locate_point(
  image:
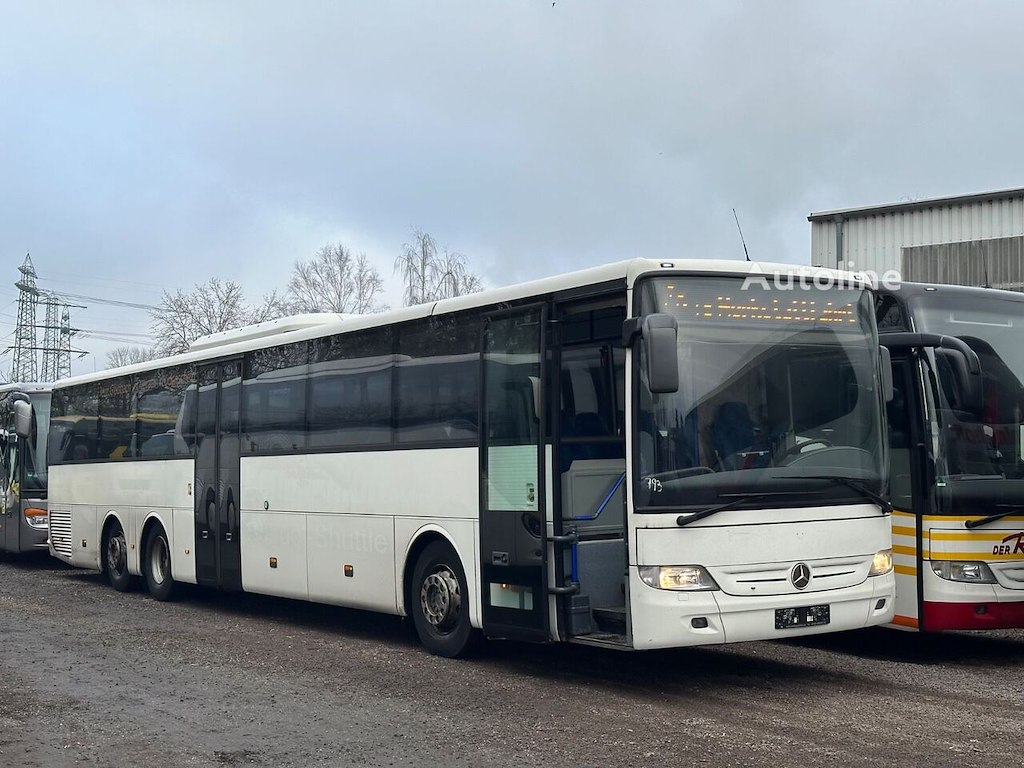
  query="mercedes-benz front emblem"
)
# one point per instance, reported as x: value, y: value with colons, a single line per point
x: 800, y: 575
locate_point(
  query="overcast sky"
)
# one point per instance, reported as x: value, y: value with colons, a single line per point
x: 149, y: 146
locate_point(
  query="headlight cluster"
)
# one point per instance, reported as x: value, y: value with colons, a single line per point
x: 881, y: 564
x: 966, y: 571
x: 36, y: 517
x: 691, y: 578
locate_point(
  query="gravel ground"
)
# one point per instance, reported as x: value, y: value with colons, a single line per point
x: 89, y: 676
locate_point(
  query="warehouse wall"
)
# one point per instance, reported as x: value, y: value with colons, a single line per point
x: 875, y: 242
x: 998, y: 263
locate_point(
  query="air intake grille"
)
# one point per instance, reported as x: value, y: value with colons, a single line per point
x: 60, y: 532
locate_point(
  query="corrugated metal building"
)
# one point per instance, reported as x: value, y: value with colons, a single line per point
x: 965, y: 240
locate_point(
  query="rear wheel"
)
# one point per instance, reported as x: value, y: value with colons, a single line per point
x: 440, y: 603
x: 156, y: 564
x: 115, y: 557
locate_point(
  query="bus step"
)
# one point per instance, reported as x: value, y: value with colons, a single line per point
x: 602, y: 640
x: 611, y: 618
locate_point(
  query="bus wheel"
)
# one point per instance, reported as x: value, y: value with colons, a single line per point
x: 156, y: 564
x: 440, y: 603
x: 115, y: 558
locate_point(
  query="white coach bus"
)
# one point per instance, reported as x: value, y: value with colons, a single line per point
x: 642, y: 455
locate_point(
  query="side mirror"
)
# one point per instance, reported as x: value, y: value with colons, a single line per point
x: 969, y: 394
x: 888, y: 389
x: 660, y: 341
x: 22, y: 419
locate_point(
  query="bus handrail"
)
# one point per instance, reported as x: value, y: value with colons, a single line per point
x: 606, y: 501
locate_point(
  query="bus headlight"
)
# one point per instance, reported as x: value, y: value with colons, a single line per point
x: 881, y: 564
x: 686, y: 577
x: 963, y: 570
x: 36, y: 517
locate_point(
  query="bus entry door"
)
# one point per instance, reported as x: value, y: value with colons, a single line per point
x: 218, y: 549
x: 513, y: 510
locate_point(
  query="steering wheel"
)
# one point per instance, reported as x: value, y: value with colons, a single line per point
x: 799, y: 447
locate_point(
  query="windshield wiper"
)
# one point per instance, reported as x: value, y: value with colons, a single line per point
x: 740, y: 499
x: 855, y: 485
x: 997, y: 516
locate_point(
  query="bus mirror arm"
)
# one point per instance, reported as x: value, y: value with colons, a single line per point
x: 964, y: 361
x: 630, y: 330
x: 937, y: 340
x: 888, y: 388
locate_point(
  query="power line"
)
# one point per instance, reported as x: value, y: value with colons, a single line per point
x: 95, y: 332
x: 93, y: 279
x: 113, y: 302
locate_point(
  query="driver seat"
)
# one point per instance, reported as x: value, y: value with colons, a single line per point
x: 733, y: 431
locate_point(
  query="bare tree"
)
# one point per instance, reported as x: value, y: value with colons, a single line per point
x: 367, y: 287
x: 415, y: 264
x: 271, y: 307
x: 335, y: 281
x: 430, y: 274
x: 121, y: 356
x: 211, y: 307
x: 453, y: 279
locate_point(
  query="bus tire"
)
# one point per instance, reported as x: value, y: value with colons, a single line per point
x: 440, y: 603
x: 156, y: 564
x: 115, y: 557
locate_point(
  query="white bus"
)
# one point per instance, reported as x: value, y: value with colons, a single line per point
x: 641, y: 455
x: 956, y: 433
x: 23, y: 515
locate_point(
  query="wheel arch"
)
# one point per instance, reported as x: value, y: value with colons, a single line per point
x: 153, y: 519
x: 419, y: 541
x: 112, y: 516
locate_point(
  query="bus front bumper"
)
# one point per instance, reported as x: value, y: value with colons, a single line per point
x: 973, y: 615
x: 670, y: 619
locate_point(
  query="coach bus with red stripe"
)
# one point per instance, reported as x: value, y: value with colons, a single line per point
x: 956, y: 454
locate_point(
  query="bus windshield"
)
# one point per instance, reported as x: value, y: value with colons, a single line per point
x: 33, y: 453
x: 979, y: 456
x: 777, y: 392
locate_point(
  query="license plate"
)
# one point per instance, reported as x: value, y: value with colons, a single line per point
x: 805, y: 616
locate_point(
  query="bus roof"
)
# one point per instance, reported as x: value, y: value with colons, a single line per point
x: 311, y: 326
x: 34, y: 388
x: 920, y: 289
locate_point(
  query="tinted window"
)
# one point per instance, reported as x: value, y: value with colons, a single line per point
x: 437, y: 380
x: 591, y: 381
x: 116, y: 427
x: 888, y: 314
x: 74, y: 429
x: 160, y: 422
x: 59, y: 428
x: 274, y: 399
x: 350, y: 390
x: 513, y: 374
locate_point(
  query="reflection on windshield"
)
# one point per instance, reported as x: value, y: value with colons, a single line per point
x: 774, y: 386
x: 984, y: 447
x: 31, y: 451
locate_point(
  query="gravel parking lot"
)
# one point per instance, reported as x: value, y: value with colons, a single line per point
x: 89, y: 676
